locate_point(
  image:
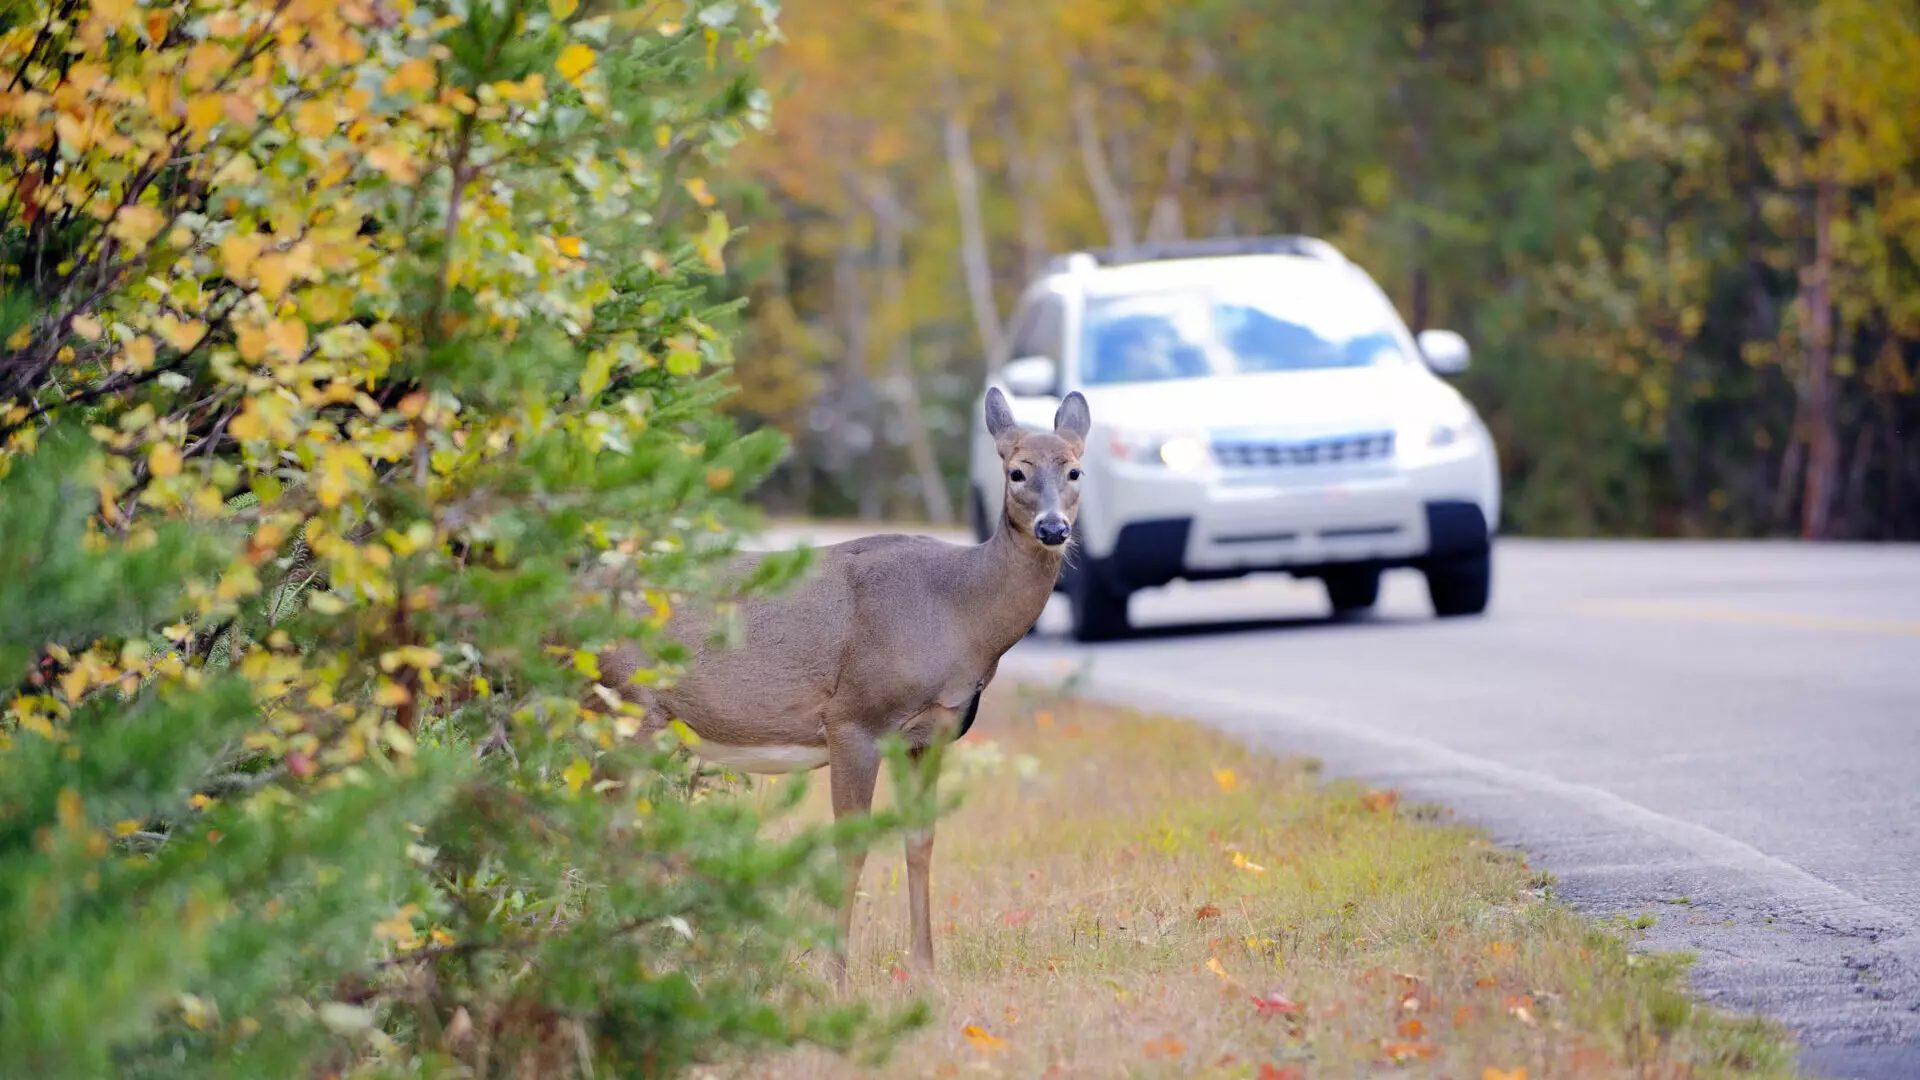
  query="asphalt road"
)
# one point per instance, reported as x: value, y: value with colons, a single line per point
x: 1725, y: 737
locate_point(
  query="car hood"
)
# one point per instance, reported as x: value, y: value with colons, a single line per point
x: 1282, y: 402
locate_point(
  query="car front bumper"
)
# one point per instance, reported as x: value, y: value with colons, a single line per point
x: 1152, y: 526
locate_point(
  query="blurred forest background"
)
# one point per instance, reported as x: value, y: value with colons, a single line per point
x: 1683, y: 236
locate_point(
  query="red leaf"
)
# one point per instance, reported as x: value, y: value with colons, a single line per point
x: 1277, y: 1004
x: 1015, y: 918
x: 899, y: 974
x: 1208, y: 912
x: 1281, y: 1072
x: 300, y: 764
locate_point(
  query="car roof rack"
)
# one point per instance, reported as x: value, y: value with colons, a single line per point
x: 1309, y: 246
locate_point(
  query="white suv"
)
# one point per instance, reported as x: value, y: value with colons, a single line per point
x: 1258, y: 405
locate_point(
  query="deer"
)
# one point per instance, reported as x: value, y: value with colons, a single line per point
x: 887, y: 635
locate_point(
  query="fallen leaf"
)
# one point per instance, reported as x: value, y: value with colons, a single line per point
x: 1411, y: 1028
x: 1277, y: 1004
x: 1208, y: 912
x: 1226, y: 779
x: 1491, y: 1073
x: 1280, y: 1072
x: 1402, y: 1052
x: 1242, y: 862
x: 1168, y: 1047
x: 983, y: 1040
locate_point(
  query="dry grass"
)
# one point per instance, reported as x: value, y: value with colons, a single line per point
x: 1116, y: 890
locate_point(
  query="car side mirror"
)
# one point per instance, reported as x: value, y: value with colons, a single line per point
x: 1031, y: 376
x: 1446, y: 351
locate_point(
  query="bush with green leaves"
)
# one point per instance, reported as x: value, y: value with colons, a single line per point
x: 359, y: 382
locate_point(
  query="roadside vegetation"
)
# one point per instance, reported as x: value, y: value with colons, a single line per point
x: 1130, y: 895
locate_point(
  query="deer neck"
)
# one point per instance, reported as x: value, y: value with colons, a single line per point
x: 1008, y: 583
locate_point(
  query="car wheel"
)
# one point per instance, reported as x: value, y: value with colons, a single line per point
x: 1460, y: 584
x: 1099, y: 610
x: 1352, y: 589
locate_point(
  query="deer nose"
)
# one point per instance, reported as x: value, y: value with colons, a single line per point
x: 1052, y: 530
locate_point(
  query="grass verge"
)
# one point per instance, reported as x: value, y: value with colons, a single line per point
x: 1128, y: 895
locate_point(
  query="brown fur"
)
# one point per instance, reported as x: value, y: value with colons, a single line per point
x: 890, y: 634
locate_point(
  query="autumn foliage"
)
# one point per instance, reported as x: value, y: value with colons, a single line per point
x: 359, y: 377
x: 1682, y: 236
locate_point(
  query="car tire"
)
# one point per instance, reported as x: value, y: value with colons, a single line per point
x: 1352, y: 589
x: 1460, y: 584
x: 1099, y: 609
x: 977, y: 514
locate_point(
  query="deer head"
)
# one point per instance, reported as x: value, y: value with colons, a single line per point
x: 1042, y: 469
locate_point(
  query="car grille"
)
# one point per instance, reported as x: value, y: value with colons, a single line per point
x: 1336, y: 450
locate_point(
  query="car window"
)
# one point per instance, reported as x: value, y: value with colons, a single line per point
x: 1039, y: 332
x: 1236, y: 328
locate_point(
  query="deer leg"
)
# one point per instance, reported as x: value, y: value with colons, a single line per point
x: 854, y: 764
x: 926, y: 767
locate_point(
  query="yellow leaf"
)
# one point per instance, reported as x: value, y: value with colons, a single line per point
x: 586, y: 663
x: 395, y: 161
x: 251, y: 340
x: 1491, y: 1073
x: 1213, y: 965
x: 391, y: 694
x: 275, y: 272
x: 200, y: 802
x: 237, y: 253
x: 137, y: 224
x: 203, y: 112
x: 575, y: 61
x: 341, y: 468
x: 568, y: 245
x: 414, y: 76
x: 481, y: 687
x: 164, y: 460
x: 1226, y: 779
x: 139, y: 353
x: 686, y: 734
x: 86, y: 326
x: 114, y: 12
x: 1241, y: 861
x: 983, y: 1040
x: 560, y: 9
x: 182, y: 335
x: 126, y: 827
x: 288, y: 337
x: 315, y: 119
x: 577, y: 774
x: 697, y: 188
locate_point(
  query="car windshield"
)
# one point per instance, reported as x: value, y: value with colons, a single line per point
x: 1235, y: 329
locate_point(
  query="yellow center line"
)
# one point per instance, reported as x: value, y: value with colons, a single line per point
x: 1785, y: 620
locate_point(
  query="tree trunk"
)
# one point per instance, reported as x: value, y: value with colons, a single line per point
x: 903, y: 390
x: 1093, y: 157
x: 1028, y: 175
x: 965, y: 175
x: 850, y: 445
x: 1823, y: 443
x: 1166, y: 221
x: 973, y: 232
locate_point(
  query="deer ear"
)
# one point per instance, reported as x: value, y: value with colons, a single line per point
x: 1072, y: 421
x: 999, y: 415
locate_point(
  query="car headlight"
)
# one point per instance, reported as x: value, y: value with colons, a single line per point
x: 1447, y: 432
x: 1181, y: 452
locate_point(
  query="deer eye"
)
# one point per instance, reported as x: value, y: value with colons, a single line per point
x: 1073, y: 474
x: 1017, y: 476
